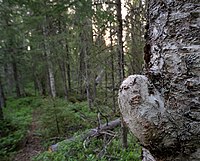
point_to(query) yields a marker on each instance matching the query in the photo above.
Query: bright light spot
(28, 48)
(124, 10)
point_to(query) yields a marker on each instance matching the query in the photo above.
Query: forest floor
(32, 145)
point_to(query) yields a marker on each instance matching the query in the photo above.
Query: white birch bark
(51, 78)
(162, 108)
(49, 63)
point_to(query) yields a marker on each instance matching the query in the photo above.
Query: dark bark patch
(135, 100)
(147, 54)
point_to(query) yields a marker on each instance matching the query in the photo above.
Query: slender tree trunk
(62, 66)
(2, 95)
(9, 78)
(81, 68)
(49, 63)
(113, 83)
(68, 67)
(120, 43)
(2, 100)
(64, 61)
(37, 82)
(51, 77)
(106, 87)
(87, 52)
(15, 74)
(134, 43)
(1, 113)
(121, 64)
(43, 85)
(162, 108)
(88, 83)
(112, 72)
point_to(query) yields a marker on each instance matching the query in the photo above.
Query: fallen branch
(91, 133)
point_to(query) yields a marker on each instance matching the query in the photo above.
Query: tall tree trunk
(9, 78)
(68, 67)
(2, 95)
(51, 76)
(48, 59)
(121, 64)
(63, 61)
(162, 109)
(112, 71)
(106, 87)
(88, 82)
(87, 45)
(15, 74)
(81, 72)
(1, 113)
(62, 66)
(2, 100)
(120, 42)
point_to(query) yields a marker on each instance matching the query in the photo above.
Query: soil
(32, 145)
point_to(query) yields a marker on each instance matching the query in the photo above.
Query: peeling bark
(162, 109)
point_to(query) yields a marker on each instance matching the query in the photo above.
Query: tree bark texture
(162, 108)
(120, 41)
(48, 59)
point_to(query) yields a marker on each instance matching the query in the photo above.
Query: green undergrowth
(62, 120)
(13, 129)
(59, 119)
(94, 150)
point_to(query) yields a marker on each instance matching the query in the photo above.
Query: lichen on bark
(162, 107)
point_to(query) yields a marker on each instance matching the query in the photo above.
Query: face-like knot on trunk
(135, 100)
(140, 110)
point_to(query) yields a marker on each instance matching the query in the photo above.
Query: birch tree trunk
(48, 59)
(162, 108)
